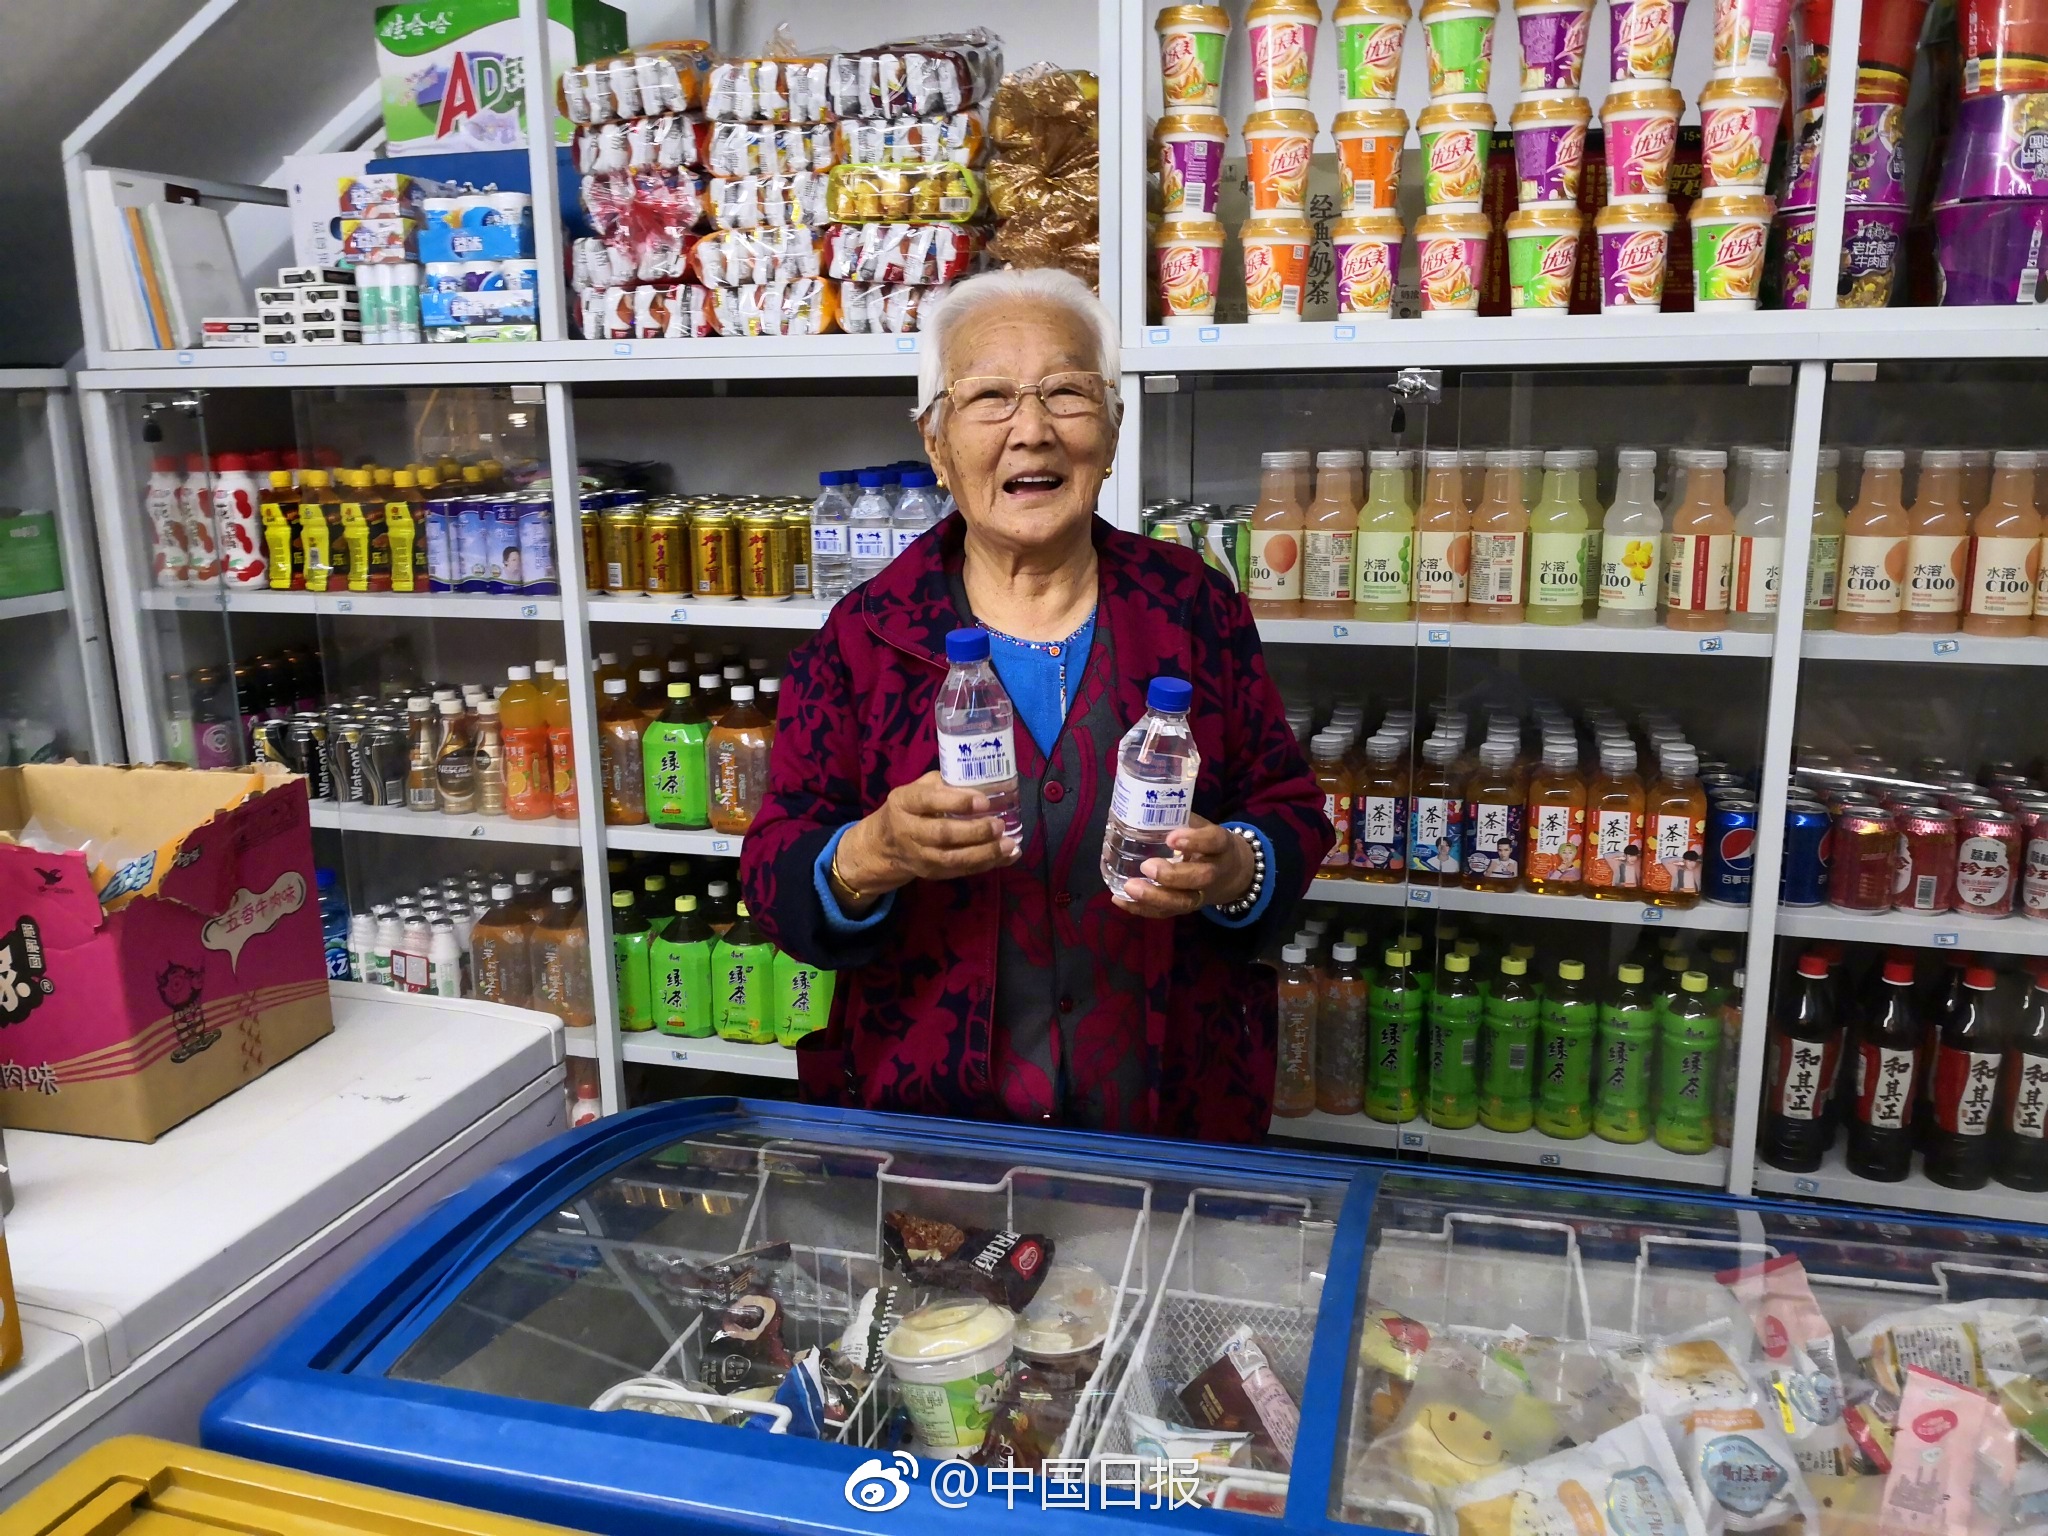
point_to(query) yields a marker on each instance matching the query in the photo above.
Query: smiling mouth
(1033, 485)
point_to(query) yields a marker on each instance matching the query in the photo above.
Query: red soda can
(1924, 873)
(1864, 844)
(2033, 814)
(1990, 857)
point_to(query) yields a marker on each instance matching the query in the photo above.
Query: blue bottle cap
(967, 645)
(828, 477)
(1170, 695)
(873, 479)
(919, 479)
(323, 879)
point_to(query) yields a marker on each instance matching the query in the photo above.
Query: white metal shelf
(331, 605)
(709, 612)
(35, 602)
(1956, 650)
(1530, 1149)
(1918, 930)
(34, 378)
(1916, 1192)
(659, 1050)
(397, 820)
(1577, 638)
(717, 845)
(1455, 898)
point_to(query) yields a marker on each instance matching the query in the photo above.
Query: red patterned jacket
(911, 1015)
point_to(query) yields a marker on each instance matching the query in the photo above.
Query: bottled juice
(1279, 521)
(1976, 483)
(2005, 553)
(1436, 817)
(402, 527)
(455, 762)
(1507, 1094)
(1494, 820)
(1443, 541)
(620, 732)
(1500, 540)
(1824, 554)
(1451, 1101)
(1340, 1034)
(1555, 864)
(736, 754)
(630, 940)
(1699, 544)
(279, 511)
(1472, 476)
(1557, 543)
(678, 786)
(743, 975)
(1294, 1080)
(718, 905)
(1330, 539)
(1587, 462)
(1326, 761)
(1938, 548)
(522, 722)
(561, 962)
(650, 694)
(1567, 1042)
(1379, 812)
(1874, 539)
(1628, 1050)
(1632, 545)
(366, 532)
(1386, 544)
(323, 554)
(501, 951)
(561, 746)
(1688, 1069)
(1614, 826)
(1760, 542)
(1394, 1022)
(1675, 818)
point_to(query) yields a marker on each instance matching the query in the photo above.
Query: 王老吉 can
(1803, 876)
(714, 552)
(1731, 849)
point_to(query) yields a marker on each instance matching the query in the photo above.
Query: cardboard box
(325, 314)
(280, 336)
(375, 240)
(329, 335)
(312, 183)
(29, 562)
(134, 995)
(304, 277)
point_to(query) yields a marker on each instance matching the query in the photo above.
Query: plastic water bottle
(831, 558)
(978, 729)
(868, 526)
(916, 510)
(1156, 764)
(334, 925)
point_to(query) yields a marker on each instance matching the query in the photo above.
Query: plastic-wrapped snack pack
(1625, 1483)
(1043, 174)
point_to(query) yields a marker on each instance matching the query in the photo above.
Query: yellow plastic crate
(136, 1486)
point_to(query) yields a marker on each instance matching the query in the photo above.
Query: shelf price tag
(678, 1057)
(1209, 333)
(679, 615)
(345, 605)
(529, 610)
(1551, 1160)
(1710, 644)
(906, 343)
(1340, 631)
(1415, 1141)
(1652, 914)
(1344, 333)
(277, 354)
(1158, 336)
(1441, 635)
(1948, 940)
(1806, 1186)
(475, 831)
(622, 349)
(184, 358)
(721, 845)
(1421, 896)
(1948, 647)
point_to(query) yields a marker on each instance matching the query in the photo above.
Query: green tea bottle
(1507, 1096)
(743, 972)
(1454, 1025)
(1628, 1047)
(1564, 1055)
(657, 903)
(1688, 1069)
(1394, 1029)
(679, 966)
(803, 998)
(630, 940)
(676, 770)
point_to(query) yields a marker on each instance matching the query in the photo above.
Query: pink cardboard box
(133, 996)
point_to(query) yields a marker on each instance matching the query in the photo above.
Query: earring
(1108, 472)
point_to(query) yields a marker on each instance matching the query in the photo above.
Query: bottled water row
(865, 518)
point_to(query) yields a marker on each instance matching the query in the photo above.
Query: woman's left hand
(1215, 868)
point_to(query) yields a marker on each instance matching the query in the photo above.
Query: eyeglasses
(992, 400)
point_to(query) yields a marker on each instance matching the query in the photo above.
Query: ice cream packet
(1742, 1470)
(1959, 1341)
(1848, 1505)
(1392, 1342)
(1953, 1462)
(1672, 1375)
(1795, 1363)
(1625, 1483)
(1241, 1391)
(1004, 1267)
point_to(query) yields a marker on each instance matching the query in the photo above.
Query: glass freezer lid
(1530, 1359)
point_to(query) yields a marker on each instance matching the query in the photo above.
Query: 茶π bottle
(1333, 778)
(1614, 826)
(1379, 811)
(1495, 820)
(1555, 862)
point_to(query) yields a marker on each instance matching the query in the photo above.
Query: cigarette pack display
(301, 277)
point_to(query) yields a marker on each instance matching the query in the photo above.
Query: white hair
(1046, 286)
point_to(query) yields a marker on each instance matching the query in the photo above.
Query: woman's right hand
(926, 830)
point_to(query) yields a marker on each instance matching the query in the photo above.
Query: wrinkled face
(1031, 480)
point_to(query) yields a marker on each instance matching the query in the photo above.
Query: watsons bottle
(1155, 783)
(977, 729)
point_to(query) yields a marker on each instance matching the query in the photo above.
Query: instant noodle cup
(1992, 253)
(1455, 138)
(1998, 148)
(1550, 146)
(1283, 39)
(2004, 44)
(1369, 38)
(1729, 231)
(1553, 34)
(1276, 248)
(1277, 144)
(1190, 258)
(1738, 129)
(1365, 249)
(1191, 41)
(1747, 34)
(1635, 244)
(1369, 142)
(1459, 37)
(1870, 257)
(1890, 37)
(1794, 259)
(1642, 130)
(1190, 162)
(1543, 253)
(1450, 248)
(1643, 36)
(1802, 178)
(1877, 152)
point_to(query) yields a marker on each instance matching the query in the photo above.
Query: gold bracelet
(854, 896)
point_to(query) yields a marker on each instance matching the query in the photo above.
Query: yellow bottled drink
(1824, 553)
(1443, 542)
(1588, 465)
(1500, 540)
(1386, 544)
(1330, 537)
(1557, 544)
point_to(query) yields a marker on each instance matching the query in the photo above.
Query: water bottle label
(901, 539)
(871, 543)
(1150, 807)
(975, 758)
(828, 539)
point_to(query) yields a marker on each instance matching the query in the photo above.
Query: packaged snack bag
(1953, 1463)
(1625, 1483)
(1795, 1362)
(1742, 1470)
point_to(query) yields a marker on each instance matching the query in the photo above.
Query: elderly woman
(1001, 980)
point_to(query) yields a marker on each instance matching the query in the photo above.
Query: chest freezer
(724, 1315)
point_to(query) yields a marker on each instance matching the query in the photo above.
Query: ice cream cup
(1543, 253)
(1458, 35)
(1365, 250)
(1641, 120)
(1747, 34)
(1450, 248)
(1738, 129)
(1643, 36)
(1635, 244)
(1998, 148)
(1369, 142)
(946, 1358)
(1190, 162)
(1550, 146)
(1276, 248)
(1553, 34)
(1729, 231)
(1455, 138)
(1191, 42)
(1369, 38)
(1877, 151)
(1282, 34)
(1277, 144)
(1189, 253)
(1992, 253)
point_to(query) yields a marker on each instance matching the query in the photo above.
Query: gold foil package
(1044, 170)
